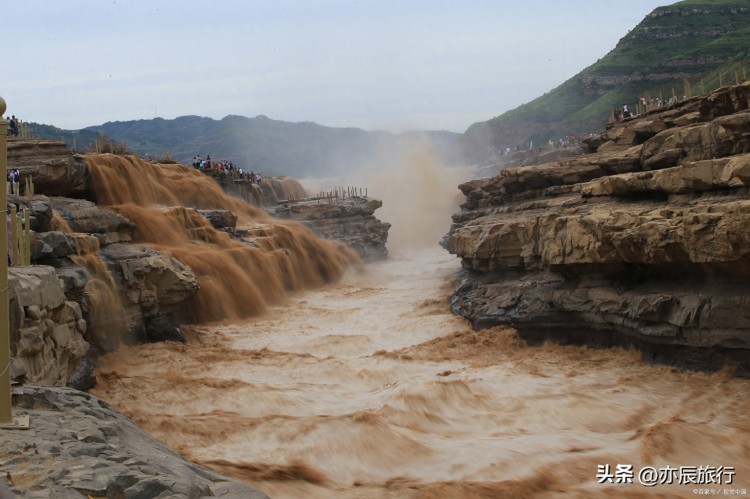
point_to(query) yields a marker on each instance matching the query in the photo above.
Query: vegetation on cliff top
(706, 42)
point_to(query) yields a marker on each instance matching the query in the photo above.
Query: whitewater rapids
(372, 388)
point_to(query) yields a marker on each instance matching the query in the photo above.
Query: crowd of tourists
(227, 167)
(570, 141)
(644, 106)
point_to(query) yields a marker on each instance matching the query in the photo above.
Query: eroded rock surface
(351, 221)
(54, 170)
(47, 330)
(78, 446)
(644, 240)
(154, 286)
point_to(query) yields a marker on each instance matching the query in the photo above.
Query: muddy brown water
(372, 388)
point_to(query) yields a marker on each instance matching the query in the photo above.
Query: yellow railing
(6, 415)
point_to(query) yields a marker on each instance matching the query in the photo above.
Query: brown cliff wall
(645, 240)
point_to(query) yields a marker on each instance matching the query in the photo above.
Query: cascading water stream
(106, 322)
(237, 278)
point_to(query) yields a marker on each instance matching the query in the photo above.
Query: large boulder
(38, 209)
(152, 288)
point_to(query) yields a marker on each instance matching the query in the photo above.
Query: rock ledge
(78, 446)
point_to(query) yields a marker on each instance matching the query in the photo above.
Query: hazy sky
(375, 64)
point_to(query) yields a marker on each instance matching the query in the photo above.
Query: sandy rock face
(47, 331)
(645, 240)
(351, 221)
(50, 164)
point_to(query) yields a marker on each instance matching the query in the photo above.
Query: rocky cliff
(351, 221)
(122, 271)
(55, 170)
(88, 290)
(645, 239)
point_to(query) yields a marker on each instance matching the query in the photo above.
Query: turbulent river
(372, 388)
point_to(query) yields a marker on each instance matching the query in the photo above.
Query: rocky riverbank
(643, 240)
(78, 446)
(124, 251)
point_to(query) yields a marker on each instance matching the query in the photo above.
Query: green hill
(703, 42)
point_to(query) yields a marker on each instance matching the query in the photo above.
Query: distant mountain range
(692, 46)
(270, 146)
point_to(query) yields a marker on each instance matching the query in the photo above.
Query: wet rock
(152, 286)
(84, 216)
(78, 446)
(220, 219)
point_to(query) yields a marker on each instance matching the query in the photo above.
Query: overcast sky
(374, 64)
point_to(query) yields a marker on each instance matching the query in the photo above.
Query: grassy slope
(693, 39)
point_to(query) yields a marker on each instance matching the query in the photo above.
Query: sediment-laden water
(372, 388)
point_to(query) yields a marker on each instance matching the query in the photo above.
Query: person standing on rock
(13, 126)
(15, 178)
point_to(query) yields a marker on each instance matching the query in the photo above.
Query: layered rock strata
(351, 221)
(644, 240)
(78, 446)
(47, 330)
(54, 170)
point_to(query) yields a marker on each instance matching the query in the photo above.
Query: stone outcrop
(54, 170)
(83, 216)
(644, 240)
(78, 446)
(220, 219)
(351, 221)
(37, 207)
(153, 287)
(47, 330)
